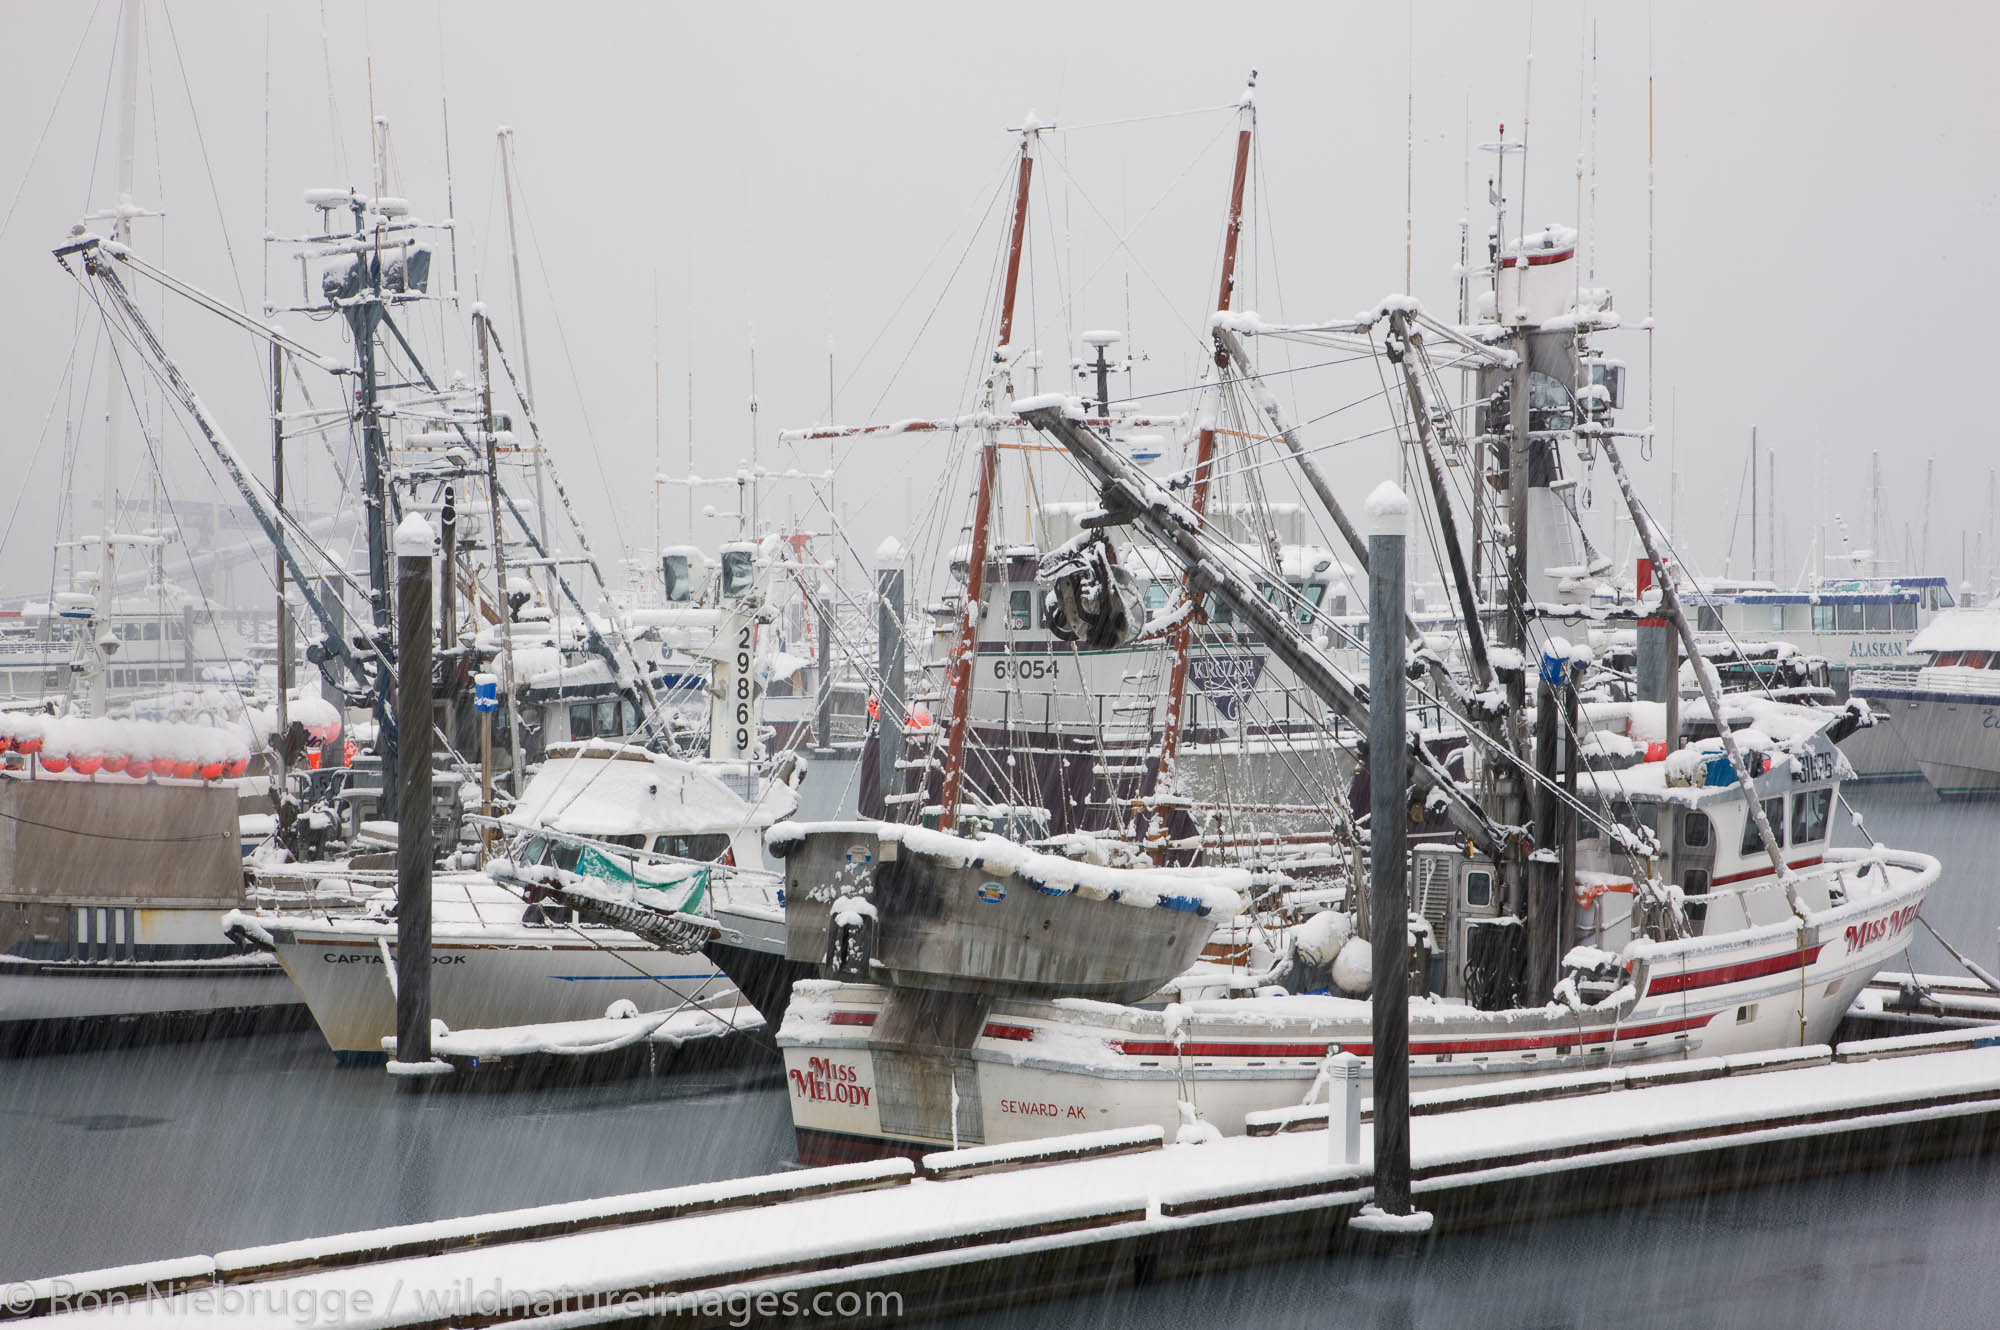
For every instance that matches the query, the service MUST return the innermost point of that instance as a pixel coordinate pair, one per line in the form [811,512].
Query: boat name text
[1874,930]
[828,1082]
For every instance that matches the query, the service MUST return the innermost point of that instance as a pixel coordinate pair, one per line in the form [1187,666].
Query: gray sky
[1826,202]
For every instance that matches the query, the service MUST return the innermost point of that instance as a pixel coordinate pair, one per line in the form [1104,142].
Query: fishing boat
[599,822]
[119,858]
[1598,901]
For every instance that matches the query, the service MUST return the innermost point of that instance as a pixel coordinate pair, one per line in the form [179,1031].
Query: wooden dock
[988,1226]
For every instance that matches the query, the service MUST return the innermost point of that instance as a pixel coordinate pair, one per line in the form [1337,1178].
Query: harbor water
[143,1153]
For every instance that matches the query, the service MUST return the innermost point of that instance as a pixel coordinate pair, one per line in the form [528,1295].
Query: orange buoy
[57,762]
[87,766]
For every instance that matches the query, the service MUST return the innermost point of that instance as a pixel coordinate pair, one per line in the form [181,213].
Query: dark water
[138,1154]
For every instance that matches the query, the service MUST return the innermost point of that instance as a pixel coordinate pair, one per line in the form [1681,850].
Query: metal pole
[414,539]
[1388,829]
[1544,877]
[278,501]
[889,661]
[824,726]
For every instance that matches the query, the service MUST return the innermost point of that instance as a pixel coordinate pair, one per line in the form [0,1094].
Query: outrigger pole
[97,266]
[1129,495]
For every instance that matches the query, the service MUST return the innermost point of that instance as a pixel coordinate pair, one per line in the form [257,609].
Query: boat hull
[1040,1069]
[484,979]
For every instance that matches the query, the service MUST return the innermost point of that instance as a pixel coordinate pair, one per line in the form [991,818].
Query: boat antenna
[1409,142]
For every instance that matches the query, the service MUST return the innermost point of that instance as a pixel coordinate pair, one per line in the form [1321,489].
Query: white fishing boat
[604,821]
[1944,713]
[1769,961]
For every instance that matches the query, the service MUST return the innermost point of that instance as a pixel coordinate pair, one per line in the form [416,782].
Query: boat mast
[364,316]
[1160,772]
[506,136]
[106,641]
[964,653]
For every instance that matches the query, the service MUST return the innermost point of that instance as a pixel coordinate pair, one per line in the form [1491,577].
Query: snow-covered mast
[998,381]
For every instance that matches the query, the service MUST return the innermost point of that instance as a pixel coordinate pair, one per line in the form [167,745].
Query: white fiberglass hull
[1040,1069]
[485,978]
[1949,727]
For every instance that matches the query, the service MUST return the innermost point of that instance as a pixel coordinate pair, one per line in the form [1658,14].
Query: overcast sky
[806,175]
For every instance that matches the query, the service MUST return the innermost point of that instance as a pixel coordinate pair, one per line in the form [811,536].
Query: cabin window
[1906,615]
[1877,615]
[1694,882]
[1975,660]
[1156,597]
[1220,612]
[150,632]
[1021,609]
[1708,619]
[1848,617]
[635,841]
[1587,823]
[1479,888]
[737,571]
[1945,658]
[1822,618]
[1774,813]
[581,725]
[1811,810]
[1697,831]
[706,848]
[1337,606]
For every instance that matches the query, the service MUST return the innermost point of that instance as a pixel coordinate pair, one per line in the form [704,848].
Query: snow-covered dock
[985,1226]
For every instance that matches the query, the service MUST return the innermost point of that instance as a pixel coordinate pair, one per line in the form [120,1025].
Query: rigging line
[978,225]
[173,516]
[1289,459]
[951,278]
[201,141]
[54,106]
[1236,380]
[41,436]
[1123,243]
[569,357]
[1144,119]
[296,531]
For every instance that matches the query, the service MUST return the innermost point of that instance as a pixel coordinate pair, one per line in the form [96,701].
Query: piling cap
[414,538]
[889,554]
[1388,510]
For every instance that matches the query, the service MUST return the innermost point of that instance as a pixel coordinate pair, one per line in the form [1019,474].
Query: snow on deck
[1023,1214]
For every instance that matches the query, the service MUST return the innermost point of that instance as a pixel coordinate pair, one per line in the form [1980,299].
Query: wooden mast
[1161,771]
[967,650]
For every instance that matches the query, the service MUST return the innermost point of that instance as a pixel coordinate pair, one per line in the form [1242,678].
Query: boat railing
[1884,676]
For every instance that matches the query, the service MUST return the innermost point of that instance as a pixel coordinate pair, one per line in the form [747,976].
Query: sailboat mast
[1161,772]
[982,514]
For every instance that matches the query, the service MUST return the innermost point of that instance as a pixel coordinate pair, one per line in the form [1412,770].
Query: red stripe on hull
[1729,974]
[1763,872]
[1427,1048]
